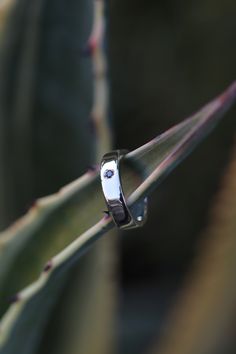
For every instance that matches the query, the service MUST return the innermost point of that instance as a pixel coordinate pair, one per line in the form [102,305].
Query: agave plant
[60,228]
[40,251]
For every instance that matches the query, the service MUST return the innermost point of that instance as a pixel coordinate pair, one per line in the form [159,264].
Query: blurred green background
[165,60]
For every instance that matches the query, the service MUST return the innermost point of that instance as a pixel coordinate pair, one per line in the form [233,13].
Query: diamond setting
[108,173]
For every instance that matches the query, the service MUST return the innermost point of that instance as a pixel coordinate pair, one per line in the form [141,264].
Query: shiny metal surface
[113,193]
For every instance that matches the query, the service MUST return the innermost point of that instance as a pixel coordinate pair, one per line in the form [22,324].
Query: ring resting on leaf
[114,195]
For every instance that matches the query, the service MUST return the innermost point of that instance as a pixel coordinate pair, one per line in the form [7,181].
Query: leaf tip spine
[48,266]
[14,298]
[92,168]
[106,214]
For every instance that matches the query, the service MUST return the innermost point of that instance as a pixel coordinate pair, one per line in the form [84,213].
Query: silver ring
[114,196]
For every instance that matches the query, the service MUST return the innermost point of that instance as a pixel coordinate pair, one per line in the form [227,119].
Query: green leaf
[60,228]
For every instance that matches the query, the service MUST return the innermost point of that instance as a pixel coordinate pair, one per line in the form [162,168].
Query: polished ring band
[114,196]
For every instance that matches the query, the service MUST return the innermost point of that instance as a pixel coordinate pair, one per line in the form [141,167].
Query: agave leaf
[60,228]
